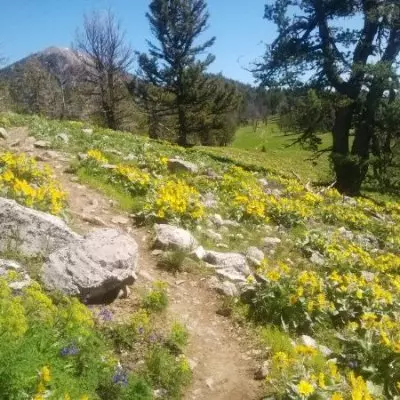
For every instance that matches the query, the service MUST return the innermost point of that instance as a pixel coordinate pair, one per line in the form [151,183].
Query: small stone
[82,156]
[10,264]
[120,220]
[176,165]
[210,234]
[113,151]
[157,252]
[42,144]
[346,233]
[229,289]
[214,283]
[74,179]
[17,286]
[350,201]
[263,371]
[124,292]
[317,258]
[63,137]
[325,351]
[16,143]
[109,166]
[93,220]
[160,393]
[255,256]
[94,203]
[180,282]
[50,154]
[231,223]
[209,200]
[210,383]
[199,253]
[309,341]
[3,133]
[130,157]
[368,276]
[271,242]
[169,237]
[217,220]
[192,363]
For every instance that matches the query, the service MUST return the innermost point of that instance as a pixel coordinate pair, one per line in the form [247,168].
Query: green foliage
[156,299]
[310,40]
[167,371]
[173,261]
[38,334]
[178,337]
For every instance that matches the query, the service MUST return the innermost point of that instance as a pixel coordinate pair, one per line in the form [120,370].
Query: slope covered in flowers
[334,276]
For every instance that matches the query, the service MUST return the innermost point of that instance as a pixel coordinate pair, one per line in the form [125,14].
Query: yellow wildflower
[305,388]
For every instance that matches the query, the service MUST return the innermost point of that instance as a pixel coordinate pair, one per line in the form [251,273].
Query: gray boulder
[3,133]
[177,165]
[93,268]
[32,232]
[170,237]
[232,266]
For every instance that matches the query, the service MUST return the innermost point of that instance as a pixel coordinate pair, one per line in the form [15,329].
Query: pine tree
[174,65]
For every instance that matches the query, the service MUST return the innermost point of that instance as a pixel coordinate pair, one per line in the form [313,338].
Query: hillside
[306,279]
[62,62]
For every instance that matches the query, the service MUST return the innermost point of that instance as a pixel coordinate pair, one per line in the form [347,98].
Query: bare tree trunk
[343,166]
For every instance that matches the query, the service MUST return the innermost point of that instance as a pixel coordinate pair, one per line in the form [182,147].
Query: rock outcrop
[95,267]
[32,232]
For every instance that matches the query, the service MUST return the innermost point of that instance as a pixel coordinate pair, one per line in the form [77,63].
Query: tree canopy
[358,64]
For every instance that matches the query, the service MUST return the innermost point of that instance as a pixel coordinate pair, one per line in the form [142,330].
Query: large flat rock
[97,265]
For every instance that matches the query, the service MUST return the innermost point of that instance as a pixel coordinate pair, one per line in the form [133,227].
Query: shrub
[178,337]
[173,260]
[167,371]
[156,299]
[47,348]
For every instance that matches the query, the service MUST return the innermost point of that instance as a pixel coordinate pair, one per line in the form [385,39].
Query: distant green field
[269,148]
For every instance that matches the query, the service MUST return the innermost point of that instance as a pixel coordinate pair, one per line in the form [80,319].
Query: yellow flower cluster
[175,199]
[97,156]
[303,373]
[131,178]
[22,179]
[44,380]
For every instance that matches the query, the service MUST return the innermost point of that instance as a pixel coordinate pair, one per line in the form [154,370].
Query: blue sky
[27,26]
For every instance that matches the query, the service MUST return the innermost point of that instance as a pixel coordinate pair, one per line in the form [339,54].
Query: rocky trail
[221,355]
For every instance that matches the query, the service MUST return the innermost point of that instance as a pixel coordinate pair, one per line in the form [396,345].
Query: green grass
[125,201]
[270,149]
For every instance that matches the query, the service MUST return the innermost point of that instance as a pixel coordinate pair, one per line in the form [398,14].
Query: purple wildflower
[71,350]
[153,338]
[120,377]
[105,314]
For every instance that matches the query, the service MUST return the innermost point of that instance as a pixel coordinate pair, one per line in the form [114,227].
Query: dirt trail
[219,352]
